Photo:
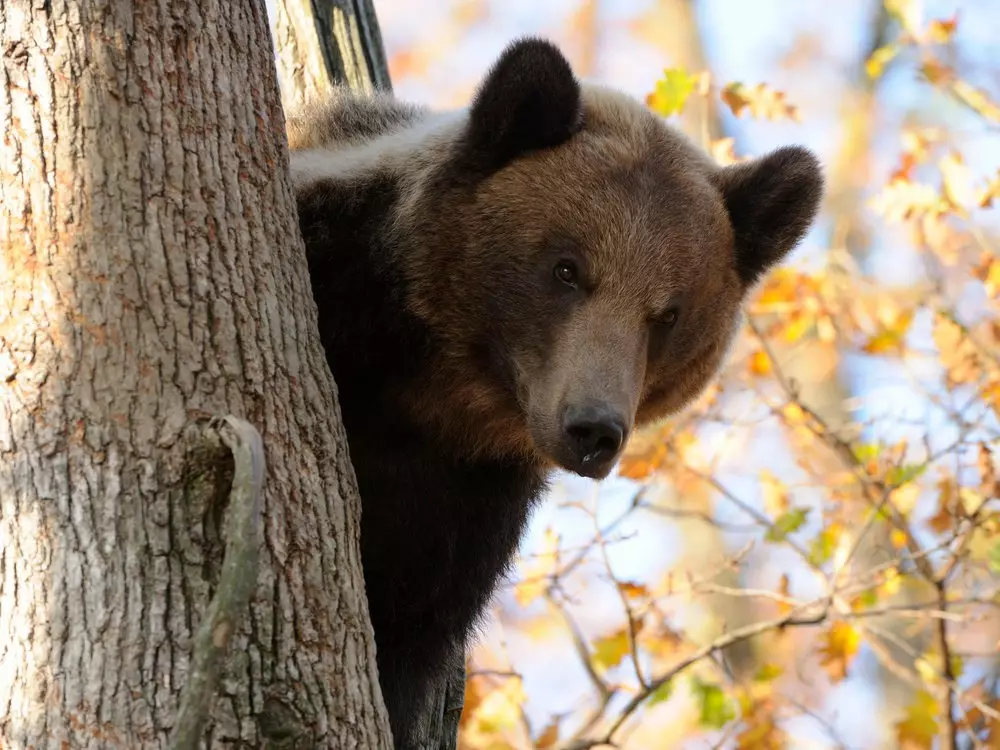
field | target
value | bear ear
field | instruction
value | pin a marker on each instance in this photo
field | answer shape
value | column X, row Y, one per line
column 529, row 100
column 771, row 203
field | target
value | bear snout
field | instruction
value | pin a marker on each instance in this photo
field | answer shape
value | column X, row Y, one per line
column 592, row 437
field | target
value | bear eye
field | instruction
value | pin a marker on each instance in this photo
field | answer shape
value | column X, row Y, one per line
column 565, row 271
column 668, row 318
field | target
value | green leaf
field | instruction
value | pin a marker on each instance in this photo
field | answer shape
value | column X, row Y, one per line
column 716, row 707
column 787, row 523
column 768, row 672
column 671, row 92
column 899, row 475
column 995, row 557
column 661, row 694
column 867, row 452
column 610, row 650
column 821, row 548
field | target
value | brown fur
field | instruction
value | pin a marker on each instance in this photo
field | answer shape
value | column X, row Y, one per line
column 467, row 366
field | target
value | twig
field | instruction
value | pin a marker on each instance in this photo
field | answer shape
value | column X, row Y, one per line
column 794, row 618
column 949, row 729
column 236, row 581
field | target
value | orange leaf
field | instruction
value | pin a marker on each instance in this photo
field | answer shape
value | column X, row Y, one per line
column 549, row 736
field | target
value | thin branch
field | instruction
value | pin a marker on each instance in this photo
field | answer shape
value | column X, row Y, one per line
column 237, row 580
column 793, row 618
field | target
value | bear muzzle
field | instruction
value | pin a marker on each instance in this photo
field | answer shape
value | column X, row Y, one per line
column 592, row 438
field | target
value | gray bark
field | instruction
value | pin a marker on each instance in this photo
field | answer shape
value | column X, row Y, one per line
column 152, row 274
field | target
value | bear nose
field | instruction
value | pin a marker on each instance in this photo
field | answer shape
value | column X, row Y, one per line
column 595, row 434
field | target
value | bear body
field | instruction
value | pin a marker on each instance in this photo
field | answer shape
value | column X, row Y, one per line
column 505, row 290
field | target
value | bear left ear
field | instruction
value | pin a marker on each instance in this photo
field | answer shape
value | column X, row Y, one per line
column 771, row 202
column 529, row 100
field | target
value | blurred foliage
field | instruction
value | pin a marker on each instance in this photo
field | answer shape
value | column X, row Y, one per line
column 929, row 485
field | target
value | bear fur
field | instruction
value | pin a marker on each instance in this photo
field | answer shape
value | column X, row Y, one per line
column 504, row 290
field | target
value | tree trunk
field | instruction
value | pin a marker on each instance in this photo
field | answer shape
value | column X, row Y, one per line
column 323, row 43
column 152, row 274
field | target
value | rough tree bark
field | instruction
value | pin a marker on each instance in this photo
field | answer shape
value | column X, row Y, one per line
column 321, row 44
column 324, row 43
column 151, row 275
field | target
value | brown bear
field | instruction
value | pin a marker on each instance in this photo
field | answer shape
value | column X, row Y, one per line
column 504, row 290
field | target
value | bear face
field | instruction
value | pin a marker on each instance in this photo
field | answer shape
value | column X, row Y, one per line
column 581, row 263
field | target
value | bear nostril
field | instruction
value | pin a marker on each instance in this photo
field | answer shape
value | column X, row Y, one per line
column 595, row 435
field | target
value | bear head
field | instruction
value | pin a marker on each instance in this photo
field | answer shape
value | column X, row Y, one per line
column 582, row 263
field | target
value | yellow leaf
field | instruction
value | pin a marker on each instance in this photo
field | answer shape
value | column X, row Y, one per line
column 957, row 183
column 672, row 92
column 991, row 278
column 941, row 31
column 891, row 582
column 906, row 12
column 903, row 199
column 892, row 338
column 990, row 192
column 918, row 730
column 761, row 101
column 611, row 649
column 760, row 363
column 797, row 327
column 775, row 493
column 897, row 538
column 535, row 574
column 724, row 152
column 501, row 709
column 875, row 65
column 839, row 647
column 977, row 100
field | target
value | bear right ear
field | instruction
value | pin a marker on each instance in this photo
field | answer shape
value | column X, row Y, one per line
column 529, row 100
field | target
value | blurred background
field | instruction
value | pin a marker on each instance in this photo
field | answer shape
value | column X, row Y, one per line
column 810, row 557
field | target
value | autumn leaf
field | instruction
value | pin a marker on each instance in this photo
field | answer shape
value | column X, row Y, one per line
column 977, row 100
column 672, row 92
column 774, row 493
column 822, row 547
column 760, row 363
column 892, row 338
column 535, row 575
column 787, row 523
column 839, row 647
column 633, row 590
column 715, row 707
column 661, row 694
column 768, row 672
column 902, row 199
column 906, row 12
column 760, row 100
column 941, row 31
column 549, row 736
column 994, row 557
column 919, row 728
column 957, row 183
column 944, row 519
column 880, row 58
column 611, row 649
column 762, row 731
